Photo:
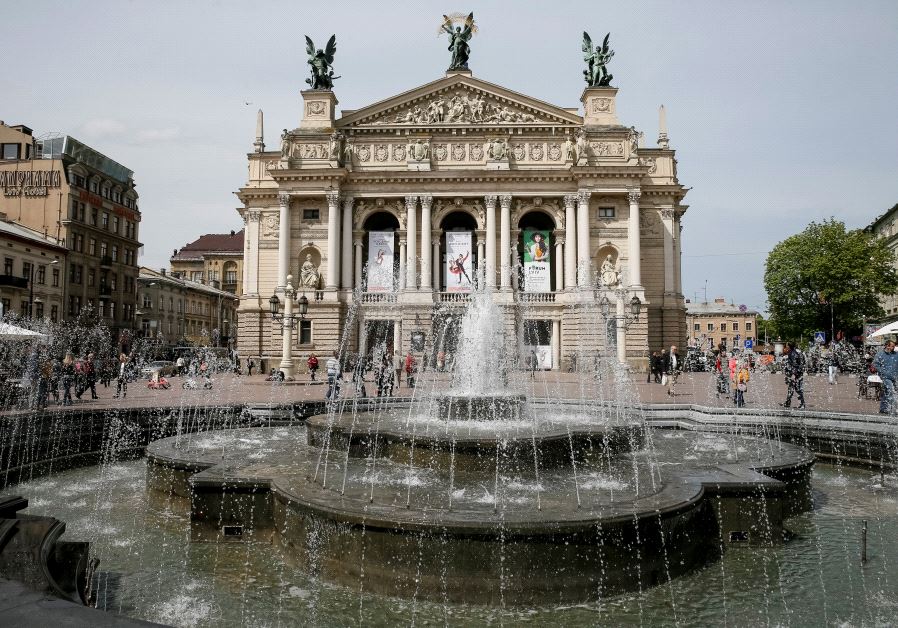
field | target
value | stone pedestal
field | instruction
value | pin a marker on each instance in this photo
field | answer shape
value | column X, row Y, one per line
column 599, row 106
column 318, row 109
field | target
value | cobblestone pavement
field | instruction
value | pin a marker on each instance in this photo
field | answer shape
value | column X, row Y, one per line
column 764, row 391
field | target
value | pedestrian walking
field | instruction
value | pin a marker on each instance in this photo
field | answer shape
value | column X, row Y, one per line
column 742, row 377
column 122, row 383
column 886, row 366
column 313, row 366
column 68, row 378
column 332, row 367
column 793, row 367
column 411, row 367
column 250, row 365
column 534, row 363
column 672, row 369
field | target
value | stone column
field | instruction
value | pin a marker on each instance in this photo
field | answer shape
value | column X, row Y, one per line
column 556, row 345
column 505, row 242
column 402, row 265
column 437, row 263
column 358, row 262
column 621, row 331
column 481, row 262
column 346, row 261
column 667, row 216
column 678, row 253
column 490, row 267
column 559, row 264
column 251, row 256
column 333, row 240
column 583, row 261
column 397, row 338
column 570, row 236
column 411, row 227
column 283, row 242
column 633, row 239
column 426, row 249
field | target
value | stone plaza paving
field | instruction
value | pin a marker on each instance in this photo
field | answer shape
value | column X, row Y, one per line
column 765, row 391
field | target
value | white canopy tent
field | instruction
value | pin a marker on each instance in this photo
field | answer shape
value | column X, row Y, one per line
column 12, row 332
column 891, row 328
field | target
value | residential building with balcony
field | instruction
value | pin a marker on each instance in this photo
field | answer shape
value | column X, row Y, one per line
column 176, row 311
column 32, row 283
column 76, row 195
column 215, row 259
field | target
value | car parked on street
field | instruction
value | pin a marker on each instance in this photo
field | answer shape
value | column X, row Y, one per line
column 163, row 367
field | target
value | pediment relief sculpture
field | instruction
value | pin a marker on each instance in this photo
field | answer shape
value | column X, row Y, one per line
column 460, row 107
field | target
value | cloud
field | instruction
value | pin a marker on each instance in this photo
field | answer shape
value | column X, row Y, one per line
column 148, row 136
column 103, row 127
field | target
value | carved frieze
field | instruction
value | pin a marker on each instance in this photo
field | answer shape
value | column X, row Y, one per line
column 554, row 152
column 271, row 224
column 458, row 152
column 381, row 152
column 311, row 151
column 476, row 152
column 440, row 151
column 607, row 149
column 650, row 162
column 462, row 106
column 364, row 153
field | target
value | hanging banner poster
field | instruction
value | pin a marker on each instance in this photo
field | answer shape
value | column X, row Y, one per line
column 380, row 261
column 458, row 261
column 537, row 271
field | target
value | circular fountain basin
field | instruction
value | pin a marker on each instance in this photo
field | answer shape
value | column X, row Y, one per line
column 501, row 406
column 505, row 534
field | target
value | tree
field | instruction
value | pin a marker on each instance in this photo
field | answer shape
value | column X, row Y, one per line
column 826, row 271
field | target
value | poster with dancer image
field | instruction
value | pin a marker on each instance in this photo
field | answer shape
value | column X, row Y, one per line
column 458, row 262
column 380, row 261
column 537, row 271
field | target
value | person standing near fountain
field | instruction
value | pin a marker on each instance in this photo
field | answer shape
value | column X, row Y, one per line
column 333, row 378
column 793, row 366
column 313, row 366
column 672, row 367
column 122, row 384
column 886, row 365
column 411, row 366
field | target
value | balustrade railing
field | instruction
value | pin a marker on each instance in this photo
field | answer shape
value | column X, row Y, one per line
column 536, row 297
column 454, row 297
column 378, row 297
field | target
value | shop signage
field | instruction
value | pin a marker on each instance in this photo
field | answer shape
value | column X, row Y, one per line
column 29, row 182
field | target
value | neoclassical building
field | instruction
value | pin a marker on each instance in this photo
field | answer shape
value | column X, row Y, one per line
column 389, row 215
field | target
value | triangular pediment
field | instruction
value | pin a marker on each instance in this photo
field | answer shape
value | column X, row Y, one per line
column 458, row 100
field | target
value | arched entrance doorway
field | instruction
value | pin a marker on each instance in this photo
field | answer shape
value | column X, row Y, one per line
column 380, row 252
column 458, row 259
column 536, row 259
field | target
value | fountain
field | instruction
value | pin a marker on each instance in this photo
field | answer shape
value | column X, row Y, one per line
column 480, row 494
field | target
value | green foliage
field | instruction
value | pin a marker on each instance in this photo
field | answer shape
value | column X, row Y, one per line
column 825, row 266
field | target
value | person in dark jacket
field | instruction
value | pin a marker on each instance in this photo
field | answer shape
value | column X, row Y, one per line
column 673, row 366
column 886, row 365
column 793, row 367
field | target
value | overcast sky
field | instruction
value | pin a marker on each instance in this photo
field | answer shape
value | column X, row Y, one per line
column 781, row 113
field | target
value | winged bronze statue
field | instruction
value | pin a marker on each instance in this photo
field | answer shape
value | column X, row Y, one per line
column 458, row 41
column 596, row 73
column 321, row 64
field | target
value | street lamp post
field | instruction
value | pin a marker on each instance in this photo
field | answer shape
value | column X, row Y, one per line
column 286, row 321
column 627, row 318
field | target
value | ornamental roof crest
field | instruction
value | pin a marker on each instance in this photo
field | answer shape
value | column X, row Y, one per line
column 459, row 100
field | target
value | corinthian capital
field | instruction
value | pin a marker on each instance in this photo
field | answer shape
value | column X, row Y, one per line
column 411, row 202
column 426, row 201
column 251, row 216
column 633, row 195
column 505, row 201
column 347, row 202
column 333, row 197
column 569, row 200
column 490, row 201
column 583, row 197
column 284, row 199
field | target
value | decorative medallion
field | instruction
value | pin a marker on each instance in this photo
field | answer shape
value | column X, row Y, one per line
column 554, row 152
column 536, row 152
column 380, row 152
column 518, row 152
column 398, row 152
column 316, row 108
column 476, row 152
column 458, row 152
column 440, row 152
column 364, row 153
column 601, row 105
column 271, row 226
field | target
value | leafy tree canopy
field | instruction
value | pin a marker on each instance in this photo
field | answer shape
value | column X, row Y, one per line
column 827, row 267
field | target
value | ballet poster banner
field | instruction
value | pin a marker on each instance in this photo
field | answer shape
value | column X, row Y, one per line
column 380, row 261
column 458, row 261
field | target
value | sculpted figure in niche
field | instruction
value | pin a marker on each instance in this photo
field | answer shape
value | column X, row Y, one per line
column 476, row 106
column 335, row 143
column 435, row 110
column 308, row 274
column 608, row 272
column 497, row 149
column 285, row 145
column 569, row 149
column 582, row 147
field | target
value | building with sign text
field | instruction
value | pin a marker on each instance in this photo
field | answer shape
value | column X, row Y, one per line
column 389, row 215
column 74, row 194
